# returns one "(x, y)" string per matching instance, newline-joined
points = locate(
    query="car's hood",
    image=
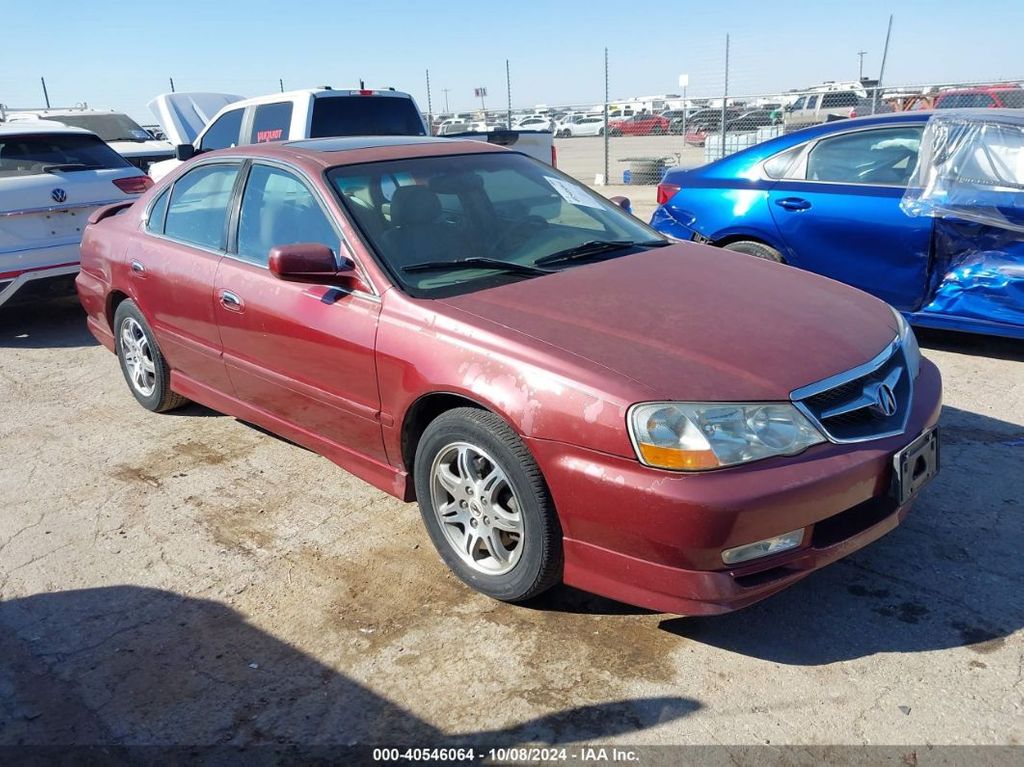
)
(692, 322)
(184, 115)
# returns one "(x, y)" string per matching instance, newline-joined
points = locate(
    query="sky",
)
(120, 55)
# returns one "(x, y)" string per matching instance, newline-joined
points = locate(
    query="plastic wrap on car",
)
(970, 168)
(970, 179)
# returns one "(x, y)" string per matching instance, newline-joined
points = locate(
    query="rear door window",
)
(365, 116)
(198, 207)
(271, 122)
(33, 153)
(223, 132)
(881, 157)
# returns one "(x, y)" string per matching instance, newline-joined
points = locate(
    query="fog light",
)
(783, 542)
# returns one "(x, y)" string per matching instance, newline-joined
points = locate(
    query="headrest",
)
(414, 205)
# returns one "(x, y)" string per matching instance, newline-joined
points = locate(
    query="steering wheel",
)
(518, 233)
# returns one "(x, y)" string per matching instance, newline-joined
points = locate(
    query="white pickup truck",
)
(302, 114)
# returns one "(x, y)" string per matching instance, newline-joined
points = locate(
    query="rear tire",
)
(481, 492)
(756, 249)
(146, 371)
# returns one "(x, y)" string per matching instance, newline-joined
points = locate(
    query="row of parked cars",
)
(570, 395)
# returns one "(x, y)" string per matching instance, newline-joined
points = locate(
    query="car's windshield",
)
(108, 126)
(500, 206)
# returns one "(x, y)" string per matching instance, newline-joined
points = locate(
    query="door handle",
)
(138, 268)
(231, 301)
(793, 203)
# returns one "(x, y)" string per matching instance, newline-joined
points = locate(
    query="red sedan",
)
(568, 396)
(643, 124)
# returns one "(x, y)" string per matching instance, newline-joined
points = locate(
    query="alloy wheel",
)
(478, 510)
(138, 357)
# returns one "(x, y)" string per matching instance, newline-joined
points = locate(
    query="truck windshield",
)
(365, 116)
(109, 127)
(442, 226)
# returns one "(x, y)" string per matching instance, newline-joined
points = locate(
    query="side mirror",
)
(184, 152)
(622, 202)
(312, 262)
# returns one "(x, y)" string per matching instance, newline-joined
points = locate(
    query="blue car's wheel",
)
(756, 249)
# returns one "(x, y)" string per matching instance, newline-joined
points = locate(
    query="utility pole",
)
(430, 107)
(725, 93)
(606, 179)
(447, 111)
(860, 74)
(46, 96)
(508, 90)
(881, 71)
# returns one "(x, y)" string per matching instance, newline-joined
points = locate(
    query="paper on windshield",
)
(572, 194)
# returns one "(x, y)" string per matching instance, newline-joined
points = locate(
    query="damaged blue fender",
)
(849, 200)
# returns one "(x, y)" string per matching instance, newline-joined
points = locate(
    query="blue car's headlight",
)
(911, 351)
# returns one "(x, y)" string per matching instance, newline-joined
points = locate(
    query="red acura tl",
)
(568, 395)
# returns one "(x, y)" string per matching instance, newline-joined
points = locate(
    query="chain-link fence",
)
(642, 136)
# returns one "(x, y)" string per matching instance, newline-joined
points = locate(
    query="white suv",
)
(51, 180)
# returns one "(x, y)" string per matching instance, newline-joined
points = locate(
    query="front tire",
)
(486, 506)
(756, 249)
(143, 365)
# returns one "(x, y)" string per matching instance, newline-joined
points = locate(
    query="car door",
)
(303, 353)
(172, 267)
(838, 212)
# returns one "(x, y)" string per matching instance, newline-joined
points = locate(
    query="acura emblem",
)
(885, 400)
(59, 195)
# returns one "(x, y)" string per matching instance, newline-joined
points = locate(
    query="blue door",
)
(838, 213)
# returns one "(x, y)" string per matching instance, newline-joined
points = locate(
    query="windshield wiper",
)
(475, 262)
(593, 248)
(69, 166)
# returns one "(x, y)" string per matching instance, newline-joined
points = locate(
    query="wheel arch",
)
(425, 409)
(114, 299)
(728, 239)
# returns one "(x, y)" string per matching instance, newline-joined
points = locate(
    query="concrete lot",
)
(185, 578)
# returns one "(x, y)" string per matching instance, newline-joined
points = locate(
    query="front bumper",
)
(654, 538)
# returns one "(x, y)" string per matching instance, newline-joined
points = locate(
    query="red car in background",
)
(568, 395)
(643, 124)
(986, 97)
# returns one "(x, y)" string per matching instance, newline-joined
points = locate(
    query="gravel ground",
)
(186, 578)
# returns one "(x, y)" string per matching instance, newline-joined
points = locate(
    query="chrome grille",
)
(868, 402)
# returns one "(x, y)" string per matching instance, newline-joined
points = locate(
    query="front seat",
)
(418, 231)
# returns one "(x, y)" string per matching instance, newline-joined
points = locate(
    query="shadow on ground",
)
(48, 323)
(949, 576)
(126, 665)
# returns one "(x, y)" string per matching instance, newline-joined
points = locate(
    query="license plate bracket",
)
(915, 466)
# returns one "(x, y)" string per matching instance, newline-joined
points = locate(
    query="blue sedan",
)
(827, 199)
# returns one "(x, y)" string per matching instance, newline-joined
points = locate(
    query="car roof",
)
(23, 127)
(324, 153)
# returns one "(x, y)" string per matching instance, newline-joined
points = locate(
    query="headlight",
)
(700, 436)
(908, 341)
